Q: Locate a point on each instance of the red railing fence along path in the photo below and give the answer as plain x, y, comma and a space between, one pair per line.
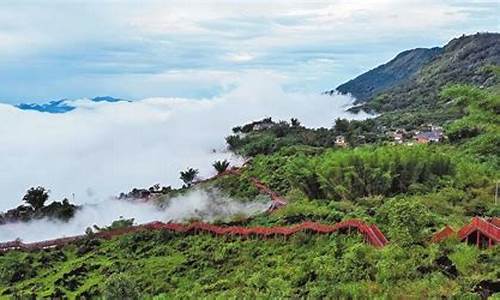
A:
371, 233
276, 200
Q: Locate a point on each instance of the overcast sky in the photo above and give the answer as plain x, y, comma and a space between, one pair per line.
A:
137, 49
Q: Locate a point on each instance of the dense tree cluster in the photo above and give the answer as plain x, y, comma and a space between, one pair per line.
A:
278, 135
37, 197
367, 172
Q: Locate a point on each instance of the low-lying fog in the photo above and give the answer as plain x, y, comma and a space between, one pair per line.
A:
198, 204
102, 149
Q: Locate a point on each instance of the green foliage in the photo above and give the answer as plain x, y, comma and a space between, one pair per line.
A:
36, 197
465, 258
464, 95
120, 223
63, 211
463, 61
221, 166
121, 286
189, 176
14, 269
350, 174
237, 187
143, 265
408, 191
479, 130
282, 135
406, 221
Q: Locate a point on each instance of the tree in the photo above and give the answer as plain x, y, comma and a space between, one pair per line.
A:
121, 286
221, 166
408, 220
155, 188
295, 122
188, 176
36, 197
342, 126
281, 129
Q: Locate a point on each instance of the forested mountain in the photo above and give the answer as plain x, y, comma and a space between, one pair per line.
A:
388, 75
414, 78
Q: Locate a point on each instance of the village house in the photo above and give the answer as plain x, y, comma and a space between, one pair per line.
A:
398, 136
428, 137
429, 134
340, 141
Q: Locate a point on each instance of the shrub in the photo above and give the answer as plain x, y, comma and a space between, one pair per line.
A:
120, 286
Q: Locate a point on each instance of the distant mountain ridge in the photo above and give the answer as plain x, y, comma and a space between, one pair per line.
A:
414, 78
61, 106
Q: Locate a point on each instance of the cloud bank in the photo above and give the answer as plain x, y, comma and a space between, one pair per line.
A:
204, 205
102, 149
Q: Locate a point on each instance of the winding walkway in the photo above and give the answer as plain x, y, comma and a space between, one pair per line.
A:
372, 235
277, 201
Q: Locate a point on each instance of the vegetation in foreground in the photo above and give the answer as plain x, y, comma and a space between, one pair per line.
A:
165, 266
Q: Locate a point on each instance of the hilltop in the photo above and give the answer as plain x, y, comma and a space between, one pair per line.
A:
414, 78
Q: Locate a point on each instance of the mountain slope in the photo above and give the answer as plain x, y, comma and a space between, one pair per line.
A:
414, 80
464, 60
388, 75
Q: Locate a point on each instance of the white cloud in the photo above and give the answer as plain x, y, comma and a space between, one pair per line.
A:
58, 45
110, 148
240, 57
200, 204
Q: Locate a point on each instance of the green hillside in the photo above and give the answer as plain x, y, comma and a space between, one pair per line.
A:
407, 89
464, 60
399, 69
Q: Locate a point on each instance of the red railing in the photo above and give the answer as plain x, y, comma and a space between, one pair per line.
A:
276, 200
371, 232
379, 234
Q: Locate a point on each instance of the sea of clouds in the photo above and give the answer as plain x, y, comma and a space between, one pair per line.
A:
101, 149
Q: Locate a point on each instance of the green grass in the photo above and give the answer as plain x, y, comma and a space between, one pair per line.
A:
304, 265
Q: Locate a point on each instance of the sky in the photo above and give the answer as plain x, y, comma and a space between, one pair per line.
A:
197, 49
